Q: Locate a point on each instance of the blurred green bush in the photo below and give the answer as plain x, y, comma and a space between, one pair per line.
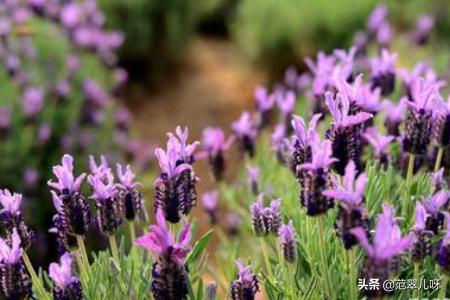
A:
276, 33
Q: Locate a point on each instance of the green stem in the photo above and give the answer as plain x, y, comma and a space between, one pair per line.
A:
323, 258
113, 246
285, 265
438, 161
443, 289
417, 278
81, 266
409, 174
80, 242
266, 257
34, 277
352, 269
291, 280
132, 231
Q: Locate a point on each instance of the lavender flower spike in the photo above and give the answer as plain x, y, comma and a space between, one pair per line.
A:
435, 219
422, 237
344, 133
15, 281
265, 220
303, 139
394, 115
437, 180
422, 30
387, 244
169, 270
215, 144
443, 249
109, 214
245, 286
65, 285
210, 201
351, 213
253, 179
11, 217
127, 192
67, 184
383, 72
245, 131
264, 104
288, 241
380, 143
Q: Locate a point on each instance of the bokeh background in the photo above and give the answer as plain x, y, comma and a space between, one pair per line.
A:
115, 76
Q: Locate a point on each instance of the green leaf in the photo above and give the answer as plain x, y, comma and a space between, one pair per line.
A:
199, 247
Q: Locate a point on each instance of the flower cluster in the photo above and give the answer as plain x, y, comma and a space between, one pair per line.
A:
265, 220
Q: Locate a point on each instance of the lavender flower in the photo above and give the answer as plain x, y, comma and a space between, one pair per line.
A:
109, 213
316, 179
442, 129
422, 237
253, 174
264, 105
443, 249
377, 18
288, 242
281, 145
73, 214
11, 218
215, 144
384, 35
383, 72
344, 69
433, 205
169, 269
210, 201
245, 131
419, 122
351, 212
127, 192
65, 285
15, 281
422, 30
245, 286
302, 141
380, 144
394, 115
286, 105
386, 246
233, 221
437, 180
345, 131
265, 220
32, 102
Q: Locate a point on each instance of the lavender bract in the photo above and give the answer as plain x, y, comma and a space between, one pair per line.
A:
65, 285
127, 192
245, 132
245, 286
422, 237
215, 145
265, 220
288, 242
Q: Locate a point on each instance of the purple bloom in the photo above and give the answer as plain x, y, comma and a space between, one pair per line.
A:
95, 93
253, 179
380, 144
322, 70
265, 220
422, 30
169, 270
71, 15
383, 71
67, 183
386, 246
282, 145
44, 133
433, 205
10, 202
127, 192
264, 104
303, 139
443, 249
245, 286
32, 101
233, 221
394, 115
437, 180
245, 131
288, 242
384, 35
30, 177
377, 18
214, 144
14, 280
210, 201
65, 285
422, 237
344, 68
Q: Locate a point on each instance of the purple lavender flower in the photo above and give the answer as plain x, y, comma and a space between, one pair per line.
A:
245, 131
210, 201
384, 35
215, 144
345, 131
437, 180
11, 218
408, 77
95, 94
30, 178
383, 72
109, 212
282, 146
245, 286
360, 41
442, 129
422, 237
433, 206
169, 269
316, 179
73, 214
422, 30
71, 15
233, 221
286, 105
394, 115
128, 194
351, 211
344, 68
265, 220
65, 285
443, 249
303, 140
264, 105
377, 18
253, 179
15, 281
380, 144
419, 122
44, 133
32, 102
387, 244
123, 118
288, 242
5, 119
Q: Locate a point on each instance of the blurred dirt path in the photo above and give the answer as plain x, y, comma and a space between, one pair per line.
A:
211, 89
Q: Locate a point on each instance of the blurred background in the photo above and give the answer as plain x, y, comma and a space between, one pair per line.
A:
114, 76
